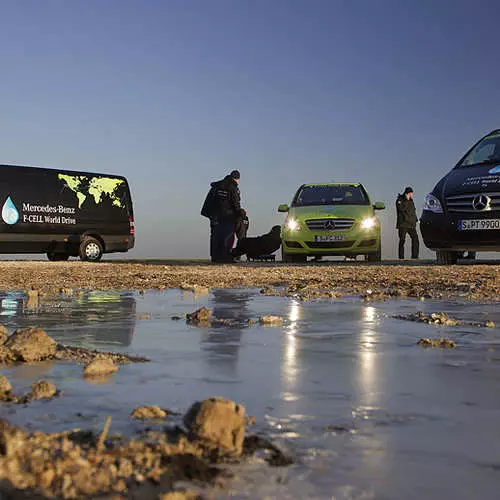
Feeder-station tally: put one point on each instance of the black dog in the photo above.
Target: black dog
(259, 245)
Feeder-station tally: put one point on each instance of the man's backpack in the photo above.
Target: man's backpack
(208, 208)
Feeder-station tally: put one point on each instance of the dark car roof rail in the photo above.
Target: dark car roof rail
(496, 131)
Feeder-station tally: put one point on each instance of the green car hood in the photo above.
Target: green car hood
(342, 211)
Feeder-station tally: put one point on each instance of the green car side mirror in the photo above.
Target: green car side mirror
(379, 205)
(283, 208)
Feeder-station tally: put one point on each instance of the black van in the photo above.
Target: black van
(64, 213)
(463, 210)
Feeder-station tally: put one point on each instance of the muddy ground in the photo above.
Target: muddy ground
(478, 281)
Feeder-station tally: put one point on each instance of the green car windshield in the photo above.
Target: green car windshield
(330, 195)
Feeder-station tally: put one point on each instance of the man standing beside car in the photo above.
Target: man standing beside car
(222, 207)
(407, 223)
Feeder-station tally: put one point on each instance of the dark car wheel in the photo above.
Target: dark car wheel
(57, 256)
(90, 249)
(287, 257)
(374, 256)
(446, 257)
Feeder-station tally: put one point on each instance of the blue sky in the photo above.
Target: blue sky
(174, 94)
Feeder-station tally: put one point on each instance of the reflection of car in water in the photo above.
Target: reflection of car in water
(91, 317)
(462, 213)
(331, 219)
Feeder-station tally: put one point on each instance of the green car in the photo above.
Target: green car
(330, 220)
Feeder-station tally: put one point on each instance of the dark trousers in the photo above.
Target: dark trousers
(221, 240)
(403, 231)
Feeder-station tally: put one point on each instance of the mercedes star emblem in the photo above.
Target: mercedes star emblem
(481, 202)
(329, 224)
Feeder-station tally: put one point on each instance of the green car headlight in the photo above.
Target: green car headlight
(292, 224)
(369, 223)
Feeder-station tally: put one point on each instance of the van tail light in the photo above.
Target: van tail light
(132, 226)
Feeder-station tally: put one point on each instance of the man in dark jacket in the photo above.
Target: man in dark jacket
(407, 222)
(222, 207)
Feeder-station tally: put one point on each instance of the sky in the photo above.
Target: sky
(174, 94)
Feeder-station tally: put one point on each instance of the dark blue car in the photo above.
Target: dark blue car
(462, 213)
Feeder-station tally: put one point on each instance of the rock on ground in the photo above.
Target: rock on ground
(181, 495)
(3, 334)
(148, 413)
(100, 367)
(42, 390)
(443, 343)
(4, 384)
(31, 344)
(269, 319)
(219, 422)
(201, 315)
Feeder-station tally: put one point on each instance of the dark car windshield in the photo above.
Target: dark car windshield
(485, 152)
(330, 195)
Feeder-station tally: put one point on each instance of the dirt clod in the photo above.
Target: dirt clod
(99, 368)
(31, 344)
(4, 385)
(442, 342)
(43, 390)
(271, 320)
(3, 334)
(148, 413)
(201, 315)
(219, 422)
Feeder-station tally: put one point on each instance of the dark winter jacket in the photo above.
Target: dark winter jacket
(223, 201)
(406, 213)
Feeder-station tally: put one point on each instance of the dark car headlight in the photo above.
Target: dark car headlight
(432, 204)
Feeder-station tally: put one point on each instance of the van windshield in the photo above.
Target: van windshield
(330, 195)
(484, 153)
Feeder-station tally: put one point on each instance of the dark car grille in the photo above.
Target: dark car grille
(330, 224)
(466, 202)
(330, 244)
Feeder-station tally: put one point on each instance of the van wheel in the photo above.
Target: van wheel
(446, 257)
(90, 249)
(57, 256)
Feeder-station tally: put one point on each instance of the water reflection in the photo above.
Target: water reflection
(367, 354)
(86, 318)
(222, 342)
(290, 347)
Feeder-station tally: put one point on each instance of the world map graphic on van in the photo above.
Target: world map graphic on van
(96, 187)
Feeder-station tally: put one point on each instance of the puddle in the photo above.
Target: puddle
(341, 386)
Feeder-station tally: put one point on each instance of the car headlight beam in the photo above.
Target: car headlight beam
(432, 204)
(292, 224)
(369, 223)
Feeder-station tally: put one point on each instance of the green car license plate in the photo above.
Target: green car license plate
(330, 237)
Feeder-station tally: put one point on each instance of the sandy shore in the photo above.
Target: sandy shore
(477, 281)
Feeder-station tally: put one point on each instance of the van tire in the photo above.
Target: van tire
(91, 249)
(57, 256)
(446, 257)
